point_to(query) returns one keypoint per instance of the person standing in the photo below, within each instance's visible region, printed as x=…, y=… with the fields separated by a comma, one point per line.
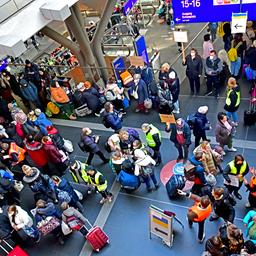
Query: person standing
x=194, y=70
x=234, y=174
x=153, y=138
x=31, y=73
x=251, y=186
x=181, y=137
x=201, y=124
x=207, y=46
x=213, y=26
x=233, y=100
x=174, y=86
x=142, y=91
x=198, y=213
x=213, y=67
x=251, y=57
x=224, y=132
x=90, y=143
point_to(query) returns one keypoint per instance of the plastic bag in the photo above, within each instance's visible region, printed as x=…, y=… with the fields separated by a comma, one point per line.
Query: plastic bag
x=68, y=146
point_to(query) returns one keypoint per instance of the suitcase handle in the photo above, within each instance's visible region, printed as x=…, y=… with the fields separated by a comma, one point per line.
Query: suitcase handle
x=7, y=245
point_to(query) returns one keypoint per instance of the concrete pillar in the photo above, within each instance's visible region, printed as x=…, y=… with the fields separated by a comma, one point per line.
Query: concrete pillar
x=73, y=23
x=96, y=41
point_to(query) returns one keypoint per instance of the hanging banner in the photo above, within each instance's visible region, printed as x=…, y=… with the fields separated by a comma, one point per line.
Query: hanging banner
x=239, y=21
x=141, y=48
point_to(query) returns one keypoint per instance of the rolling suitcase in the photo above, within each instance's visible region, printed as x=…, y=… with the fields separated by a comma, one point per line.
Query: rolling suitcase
x=174, y=183
x=11, y=251
x=96, y=237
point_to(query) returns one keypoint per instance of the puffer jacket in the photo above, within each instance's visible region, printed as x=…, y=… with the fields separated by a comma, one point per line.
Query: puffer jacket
x=36, y=153
x=42, y=122
x=165, y=96
x=249, y=222
x=200, y=125
x=72, y=212
x=222, y=134
x=29, y=92
x=143, y=160
x=59, y=95
x=21, y=219
x=53, y=154
x=64, y=185
x=90, y=144
x=186, y=132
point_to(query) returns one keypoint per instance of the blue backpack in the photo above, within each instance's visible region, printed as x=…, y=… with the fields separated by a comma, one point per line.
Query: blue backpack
x=132, y=132
x=128, y=181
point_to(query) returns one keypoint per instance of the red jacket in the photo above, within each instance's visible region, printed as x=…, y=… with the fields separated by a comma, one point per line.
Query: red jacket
x=36, y=153
x=53, y=154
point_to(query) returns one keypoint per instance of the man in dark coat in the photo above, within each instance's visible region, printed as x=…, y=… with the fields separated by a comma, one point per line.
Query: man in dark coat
x=181, y=137
x=32, y=74
x=90, y=145
x=111, y=118
x=142, y=90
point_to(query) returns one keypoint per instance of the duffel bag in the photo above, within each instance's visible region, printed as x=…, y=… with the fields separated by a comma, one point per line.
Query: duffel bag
x=128, y=181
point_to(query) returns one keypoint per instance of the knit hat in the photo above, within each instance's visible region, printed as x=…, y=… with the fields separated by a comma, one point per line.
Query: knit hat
x=20, y=118
x=202, y=109
x=38, y=112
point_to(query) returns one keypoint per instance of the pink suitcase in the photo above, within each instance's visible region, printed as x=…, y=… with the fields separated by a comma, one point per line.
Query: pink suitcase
x=96, y=237
x=12, y=251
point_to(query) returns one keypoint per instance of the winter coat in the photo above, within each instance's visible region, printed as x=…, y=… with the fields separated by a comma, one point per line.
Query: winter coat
x=91, y=97
x=166, y=101
x=11, y=131
x=200, y=125
x=5, y=225
x=115, y=89
x=53, y=154
x=32, y=69
x=174, y=87
x=208, y=163
x=199, y=171
x=207, y=47
x=64, y=185
x=59, y=95
x=72, y=212
x=222, y=134
x=186, y=132
x=147, y=75
x=194, y=66
x=36, y=153
x=233, y=98
x=90, y=144
x=42, y=122
x=29, y=91
x=251, y=57
x=213, y=67
x=113, y=120
x=49, y=210
x=21, y=219
x=143, y=160
x=57, y=140
x=142, y=91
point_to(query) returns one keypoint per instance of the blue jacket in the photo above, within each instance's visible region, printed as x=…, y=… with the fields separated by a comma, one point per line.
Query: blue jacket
x=200, y=125
x=49, y=211
x=65, y=186
x=199, y=170
x=142, y=91
x=114, y=121
x=29, y=92
x=42, y=122
x=90, y=144
x=248, y=220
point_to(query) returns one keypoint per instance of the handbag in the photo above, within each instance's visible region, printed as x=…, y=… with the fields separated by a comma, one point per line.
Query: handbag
x=68, y=146
x=18, y=185
x=66, y=230
x=48, y=225
x=148, y=103
x=126, y=103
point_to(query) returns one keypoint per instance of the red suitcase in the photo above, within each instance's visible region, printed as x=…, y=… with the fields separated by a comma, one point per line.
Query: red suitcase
x=12, y=251
x=96, y=237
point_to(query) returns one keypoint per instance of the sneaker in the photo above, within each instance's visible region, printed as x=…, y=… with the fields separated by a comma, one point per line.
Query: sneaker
x=103, y=200
x=232, y=149
x=137, y=110
x=157, y=186
x=102, y=110
x=223, y=153
x=201, y=240
x=72, y=117
x=248, y=205
x=97, y=114
x=218, y=97
x=176, y=111
x=238, y=196
x=208, y=93
x=149, y=190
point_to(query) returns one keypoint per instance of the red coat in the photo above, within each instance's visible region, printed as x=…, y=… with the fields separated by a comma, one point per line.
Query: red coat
x=53, y=154
x=36, y=153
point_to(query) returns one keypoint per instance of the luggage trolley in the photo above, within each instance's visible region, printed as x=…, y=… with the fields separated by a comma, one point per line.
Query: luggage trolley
x=161, y=224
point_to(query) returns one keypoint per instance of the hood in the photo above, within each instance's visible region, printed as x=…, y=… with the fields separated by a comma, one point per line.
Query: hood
x=142, y=158
x=33, y=177
x=202, y=110
x=33, y=146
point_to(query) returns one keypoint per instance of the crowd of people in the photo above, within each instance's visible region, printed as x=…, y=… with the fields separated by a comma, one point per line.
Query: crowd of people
x=35, y=154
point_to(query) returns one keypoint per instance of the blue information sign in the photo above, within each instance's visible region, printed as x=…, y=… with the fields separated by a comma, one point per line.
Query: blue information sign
x=189, y=11
x=141, y=48
x=118, y=65
x=127, y=7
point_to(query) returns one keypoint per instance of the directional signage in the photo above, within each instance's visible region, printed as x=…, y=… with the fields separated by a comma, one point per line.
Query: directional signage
x=191, y=11
x=239, y=21
x=128, y=6
x=141, y=48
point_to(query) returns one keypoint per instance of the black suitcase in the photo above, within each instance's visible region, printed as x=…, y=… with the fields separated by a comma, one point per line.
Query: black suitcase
x=174, y=183
x=250, y=115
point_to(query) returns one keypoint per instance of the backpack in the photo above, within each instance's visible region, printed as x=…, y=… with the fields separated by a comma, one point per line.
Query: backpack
x=110, y=95
x=53, y=108
x=128, y=181
x=174, y=183
x=132, y=132
x=191, y=121
x=146, y=170
x=232, y=53
x=189, y=171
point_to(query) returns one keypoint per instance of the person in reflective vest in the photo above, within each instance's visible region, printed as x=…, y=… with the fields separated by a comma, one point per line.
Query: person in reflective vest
x=12, y=154
x=251, y=186
x=233, y=100
x=78, y=172
x=234, y=174
x=153, y=138
x=96, y=179
x=199, y=212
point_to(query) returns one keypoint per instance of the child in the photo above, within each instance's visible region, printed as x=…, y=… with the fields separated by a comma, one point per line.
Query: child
x=251, y=186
